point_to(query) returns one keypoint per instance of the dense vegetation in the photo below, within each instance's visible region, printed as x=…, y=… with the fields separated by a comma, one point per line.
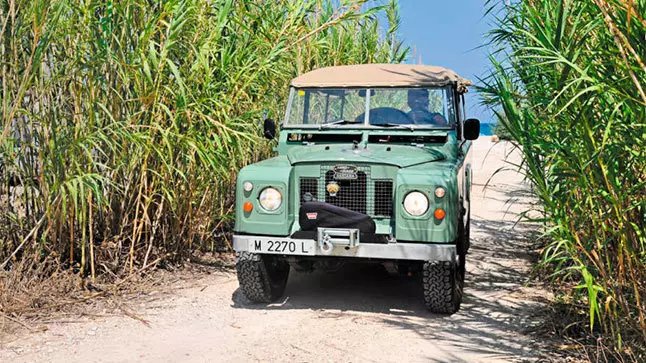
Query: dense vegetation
x=124, y=122
x=571, y=85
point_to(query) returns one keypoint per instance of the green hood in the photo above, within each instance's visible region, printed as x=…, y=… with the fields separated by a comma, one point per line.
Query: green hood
x=399, y=155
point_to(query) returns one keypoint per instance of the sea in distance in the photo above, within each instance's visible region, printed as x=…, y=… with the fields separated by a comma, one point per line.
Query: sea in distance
x=487, y=129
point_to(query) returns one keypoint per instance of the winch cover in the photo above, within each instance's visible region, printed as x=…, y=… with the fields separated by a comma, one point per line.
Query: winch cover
x=313, y=215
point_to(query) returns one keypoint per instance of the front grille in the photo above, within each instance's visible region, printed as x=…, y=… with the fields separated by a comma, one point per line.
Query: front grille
x=383, y=198
x=352, y=193
x=309, y=190
x=363, y=195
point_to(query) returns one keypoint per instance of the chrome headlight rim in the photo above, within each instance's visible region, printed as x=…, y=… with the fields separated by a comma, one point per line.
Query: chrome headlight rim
x=270, y=199
x=418, y=200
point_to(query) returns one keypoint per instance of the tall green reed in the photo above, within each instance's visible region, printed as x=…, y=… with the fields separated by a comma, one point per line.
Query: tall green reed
x=124, y=122
x=568, y=79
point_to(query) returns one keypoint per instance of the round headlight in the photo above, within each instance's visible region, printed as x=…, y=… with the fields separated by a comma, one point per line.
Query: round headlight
x=270, y=199
x=416, y=203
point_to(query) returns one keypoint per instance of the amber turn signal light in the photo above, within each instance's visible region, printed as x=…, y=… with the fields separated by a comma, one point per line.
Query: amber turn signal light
x=439, y=213
x=247, y=207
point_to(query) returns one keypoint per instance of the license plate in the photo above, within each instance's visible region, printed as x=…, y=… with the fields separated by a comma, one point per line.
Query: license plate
x=283, y=247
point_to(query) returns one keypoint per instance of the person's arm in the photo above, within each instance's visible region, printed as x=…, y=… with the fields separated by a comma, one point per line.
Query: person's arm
x=439, y=120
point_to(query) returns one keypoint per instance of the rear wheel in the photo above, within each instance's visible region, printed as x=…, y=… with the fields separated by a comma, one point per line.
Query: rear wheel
x=262, y=278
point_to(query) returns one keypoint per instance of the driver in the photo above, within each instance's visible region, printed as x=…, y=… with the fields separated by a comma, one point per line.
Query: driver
x=419, y=113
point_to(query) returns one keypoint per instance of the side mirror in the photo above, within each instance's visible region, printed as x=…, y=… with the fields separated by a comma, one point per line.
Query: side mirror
x=270, y=129
x=471, y=129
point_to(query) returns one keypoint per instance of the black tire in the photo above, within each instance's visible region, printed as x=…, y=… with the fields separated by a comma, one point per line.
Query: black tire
x=443, y=283
x=262, y=278
x=444, y=280
x=461, y=243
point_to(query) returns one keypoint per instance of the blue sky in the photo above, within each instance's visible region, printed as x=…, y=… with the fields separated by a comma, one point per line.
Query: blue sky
x=449, y=33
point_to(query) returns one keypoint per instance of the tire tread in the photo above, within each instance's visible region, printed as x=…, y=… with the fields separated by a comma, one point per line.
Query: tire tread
x=442, y=287
x=254, y=278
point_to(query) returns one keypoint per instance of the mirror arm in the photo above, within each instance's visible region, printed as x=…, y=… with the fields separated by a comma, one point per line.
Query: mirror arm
x=460, y=147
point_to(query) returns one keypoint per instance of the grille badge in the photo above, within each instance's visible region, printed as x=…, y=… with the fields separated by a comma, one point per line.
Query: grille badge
x=332, y=188
x=345, y=172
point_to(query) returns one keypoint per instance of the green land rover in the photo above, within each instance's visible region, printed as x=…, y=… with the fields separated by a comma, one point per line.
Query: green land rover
x=373, y=165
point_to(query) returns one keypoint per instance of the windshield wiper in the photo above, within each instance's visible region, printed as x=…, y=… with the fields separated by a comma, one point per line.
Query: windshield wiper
x=399, y=126
x=338, y=122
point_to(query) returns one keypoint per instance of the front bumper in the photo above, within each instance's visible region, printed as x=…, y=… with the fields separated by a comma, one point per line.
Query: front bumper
x=388, y=251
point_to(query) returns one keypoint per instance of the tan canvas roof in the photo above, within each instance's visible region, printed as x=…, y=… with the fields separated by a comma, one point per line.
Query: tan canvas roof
x=381, y=75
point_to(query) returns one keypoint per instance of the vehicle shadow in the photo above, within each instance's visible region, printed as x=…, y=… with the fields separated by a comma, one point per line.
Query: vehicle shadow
x=485, y=324
x=488, y=323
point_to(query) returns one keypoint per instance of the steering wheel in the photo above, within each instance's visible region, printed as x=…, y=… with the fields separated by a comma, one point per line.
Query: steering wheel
x=386, y=115
x=427, y=117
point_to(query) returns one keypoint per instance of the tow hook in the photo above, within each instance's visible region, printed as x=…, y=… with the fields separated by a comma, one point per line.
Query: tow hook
x=325, y=245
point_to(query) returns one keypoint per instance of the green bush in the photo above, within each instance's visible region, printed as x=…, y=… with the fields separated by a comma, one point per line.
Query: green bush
x=500, y=129
x=124, y=122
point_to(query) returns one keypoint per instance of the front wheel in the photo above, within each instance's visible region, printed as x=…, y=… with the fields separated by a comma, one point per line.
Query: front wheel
x=262, y=278
x=443, y=283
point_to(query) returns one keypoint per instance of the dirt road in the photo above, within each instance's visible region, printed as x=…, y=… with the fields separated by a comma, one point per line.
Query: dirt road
x=357, y=314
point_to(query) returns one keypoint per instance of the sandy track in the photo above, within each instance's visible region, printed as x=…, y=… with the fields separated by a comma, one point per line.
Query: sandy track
x=357, y=314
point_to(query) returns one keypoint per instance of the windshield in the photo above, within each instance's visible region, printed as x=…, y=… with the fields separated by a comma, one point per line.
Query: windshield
x=427, y=107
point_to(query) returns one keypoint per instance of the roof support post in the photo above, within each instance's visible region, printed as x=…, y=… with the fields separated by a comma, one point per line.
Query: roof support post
x=288, y=109
x=366, y=119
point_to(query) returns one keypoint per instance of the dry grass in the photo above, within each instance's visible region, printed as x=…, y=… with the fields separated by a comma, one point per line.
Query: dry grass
x=28, y=305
